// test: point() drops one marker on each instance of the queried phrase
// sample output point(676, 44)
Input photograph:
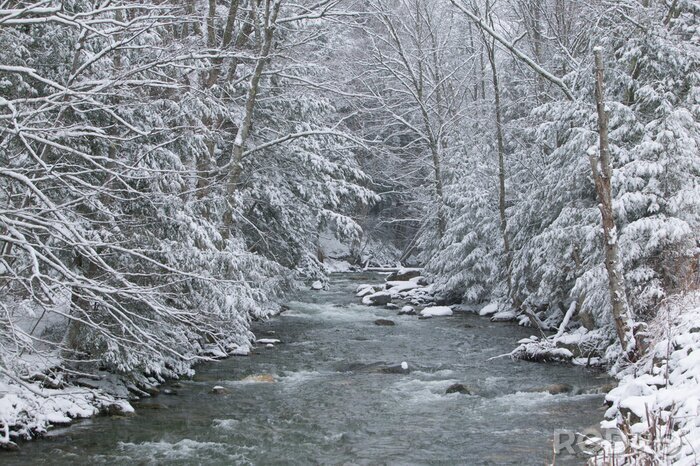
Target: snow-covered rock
point(317, 285)
point(489, 309)
point(506, 315)
point(241, 351)
point(363, 287)
point(365, 292)
point(401, 287)
point(267, 341)
point(407, 310)
point(436, 311)
point(403, 274)
point(379, 298)
point(465, 308)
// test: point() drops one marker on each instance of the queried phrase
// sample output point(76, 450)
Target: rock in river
point(384, 322)
point(435, 311)
point(377, 299)
point(403, 275)
point(317, 285)
point(458, 388)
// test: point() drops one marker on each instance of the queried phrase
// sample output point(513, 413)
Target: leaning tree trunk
point(602, 174)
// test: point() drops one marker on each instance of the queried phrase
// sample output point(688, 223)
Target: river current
point(320, 397)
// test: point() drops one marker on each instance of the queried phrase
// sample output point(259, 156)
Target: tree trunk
point(602, 175)
point(245, 124)
point(501, 161)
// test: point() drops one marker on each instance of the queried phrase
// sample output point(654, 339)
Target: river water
point(329, 405)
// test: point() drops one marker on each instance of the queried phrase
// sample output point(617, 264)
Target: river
point(329, 405)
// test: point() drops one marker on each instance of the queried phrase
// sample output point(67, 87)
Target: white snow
point(489, 309)
point(337, 266)
point(317, 285)
point(504, 315)
point(241, 351)
point(436, 311)
point(365, 290)
point(267, 341)
point(397, 288)
point(32, 410)
point(404, 365)
point(662, 389)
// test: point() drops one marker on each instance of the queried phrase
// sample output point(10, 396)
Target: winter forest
point(175, 176)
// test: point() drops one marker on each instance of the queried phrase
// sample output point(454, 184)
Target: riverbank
point(52, 396)
point(655, 409)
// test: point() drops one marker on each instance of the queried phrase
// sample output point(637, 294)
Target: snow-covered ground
point(37, 392)
point(657, 402)
point(31, 410)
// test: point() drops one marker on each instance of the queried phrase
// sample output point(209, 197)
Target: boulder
point(365, 290)
point(168, 391)
point(267, 341)
point(392, 306)
point(507, 315)
point(115, 409)
point(399, 369)
point(407, 311)
point(379, 298)
point(458, 388)
point(403, 275)
point(436, 311)
point(384, 322)
point(489, 310)
point(317, 285)
point(219, 390)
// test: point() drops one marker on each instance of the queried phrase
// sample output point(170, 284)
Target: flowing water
point(330, 405)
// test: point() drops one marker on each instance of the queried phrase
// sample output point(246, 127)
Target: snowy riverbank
point(656, 405)
point(47, 395)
